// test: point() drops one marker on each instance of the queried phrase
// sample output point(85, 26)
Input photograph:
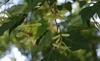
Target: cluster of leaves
point(33, 25)
point(89, 11)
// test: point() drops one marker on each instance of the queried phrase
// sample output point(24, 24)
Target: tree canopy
point(62, 32)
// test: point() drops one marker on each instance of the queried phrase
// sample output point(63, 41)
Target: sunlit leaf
point(60, 17)
point(51, 17)
point(17, 9)
point(63, 12)
point(57, 41)
point(55, 37)
point(30, 25)
point(41, 29)
point(65, 35)
point(45, 41)
point(20, 34)
point(56, 45)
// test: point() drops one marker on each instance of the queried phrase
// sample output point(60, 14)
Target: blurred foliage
point(34, 26)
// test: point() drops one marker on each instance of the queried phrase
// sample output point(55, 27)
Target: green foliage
point(41, 29)
point(19, 21)
point(82, 3)
point(76, 41)
point(96, 8)
point(42, 43)
point(53, 55)
point(7, 25)
point(32, 4)
point(88, 12)
point(34, 26)
point(17, 9)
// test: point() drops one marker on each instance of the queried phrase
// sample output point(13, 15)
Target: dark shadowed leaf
point(68, 6)
point(76, 41)
point(8, 25)
point(53, 55)
point(96, 8)
point(19, 22)
point(86, 14)
point(82, 3)
point(50, 56)
point(60, 7)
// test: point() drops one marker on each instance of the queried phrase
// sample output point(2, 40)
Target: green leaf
point(50, 56)
point(43, 43)
point(30, 25)
point(39, 39)
point(51, 17)
point(34, 49)
point(62, 12)
point(60, 7)
point(96, 8)
point(17, 9)
point(19, 22)
point(41, 29)
point(76, 41)
point(33, 3)
point(65, 35)
point(20, 34)
point(86, 14)
point(55, 37)
point(8, 25)
point(82, 3)
point(68, 6)
point(54, 55)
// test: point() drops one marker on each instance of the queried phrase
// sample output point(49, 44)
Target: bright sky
point(15, 53)
point(10, 3)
